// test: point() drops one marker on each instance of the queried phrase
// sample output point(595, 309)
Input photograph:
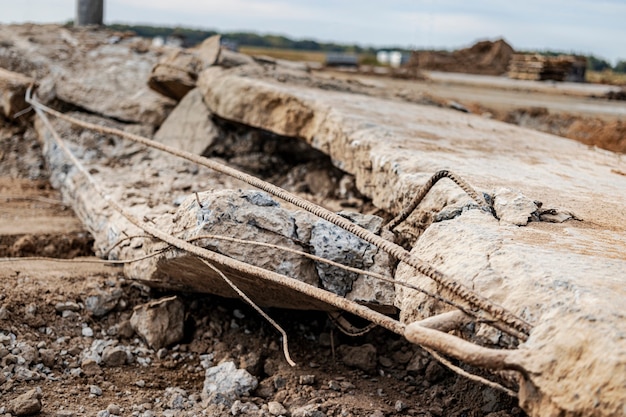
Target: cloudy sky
point(584, 26)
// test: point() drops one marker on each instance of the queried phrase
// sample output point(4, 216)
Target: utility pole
point(89, 12)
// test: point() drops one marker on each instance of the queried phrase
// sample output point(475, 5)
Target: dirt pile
point(592, 131)
point(484, 57)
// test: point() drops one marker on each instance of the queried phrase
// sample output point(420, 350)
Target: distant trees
point(195, 36)
point(597, 64)
point(620, 66)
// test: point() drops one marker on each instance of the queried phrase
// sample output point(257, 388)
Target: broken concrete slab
point(135, 179)
point(189, 127)
point(94, 70)
point(543, 272)
point(255, 216)
point(392, 147)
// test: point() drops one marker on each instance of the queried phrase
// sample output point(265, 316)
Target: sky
point(581, 26)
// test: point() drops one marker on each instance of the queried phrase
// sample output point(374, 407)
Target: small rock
point(334, 385)
point(175, 398)
point(279, 382)
point(307, 411)
point(66, 306)
point(377, 413)
point(103, 302)
point(227, 380)
point(251, 362)
point(162, 353)
point(95, 390)
point(385, 362)
point(361, 357)
point(434, 372)
point(306, 379)
point(114, 409)
point(65, 413)
point(47, 356)
point(87, 332)
point(400, 406)
point(241, 408)
point(125, 330)
point(418, 363)
point(90, 367)
point(160, 323)
point(27, 404)
point(114, 356)
point(276, 409)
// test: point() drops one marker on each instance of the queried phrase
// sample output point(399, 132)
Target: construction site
point(200, 232)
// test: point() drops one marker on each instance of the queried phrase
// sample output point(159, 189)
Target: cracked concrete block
point(254, 216)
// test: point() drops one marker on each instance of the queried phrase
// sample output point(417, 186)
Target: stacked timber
point(539, 67)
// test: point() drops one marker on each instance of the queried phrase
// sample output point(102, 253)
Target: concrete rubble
point(553, 253)
point(160, 322)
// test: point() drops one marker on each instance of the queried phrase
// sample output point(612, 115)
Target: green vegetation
point(620, 67)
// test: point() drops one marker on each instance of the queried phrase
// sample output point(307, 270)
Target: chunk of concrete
point(189, 127)
point(160, 323)
point(225, 379)
point(13, 88)
point(512, 207)
point(84, 69)
point(175, 75)
point(254, 216)
point(27, 404)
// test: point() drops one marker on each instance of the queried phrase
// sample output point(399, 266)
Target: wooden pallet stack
point(539, 67)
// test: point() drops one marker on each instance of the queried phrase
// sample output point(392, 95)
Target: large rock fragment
point(189, 127)
point(12, 91)
point(211, 218)
point(27, 404)
point(226, 380)
point(175, 75)
point(110, 80)
point(160, 323)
